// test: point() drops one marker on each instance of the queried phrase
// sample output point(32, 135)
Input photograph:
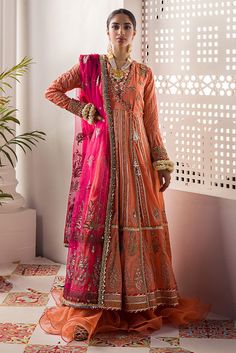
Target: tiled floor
point(22, 304)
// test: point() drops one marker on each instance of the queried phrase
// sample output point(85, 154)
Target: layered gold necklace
point(118, 73)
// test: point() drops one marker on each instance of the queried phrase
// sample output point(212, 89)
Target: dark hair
point(122, 11)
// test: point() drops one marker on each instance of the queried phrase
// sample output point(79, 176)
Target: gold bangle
point(164, 164)
point(88, 113)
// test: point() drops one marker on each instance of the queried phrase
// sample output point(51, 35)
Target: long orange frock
point(140, 290)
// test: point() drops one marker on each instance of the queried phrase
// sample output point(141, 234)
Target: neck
point(120, 54)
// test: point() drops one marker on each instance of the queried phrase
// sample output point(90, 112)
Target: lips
point(120, 39)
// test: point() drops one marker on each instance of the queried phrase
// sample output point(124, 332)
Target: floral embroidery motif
point(85, 58)
point(132, 244)
point(96, 272)
point(81, 270)
point(138, 279)
point(156, 213)
point(97, 131)
point(159, 152)
point(75, 107)
point(137, 169)
point(93, 216)
point(90, 160)
point(135, 136)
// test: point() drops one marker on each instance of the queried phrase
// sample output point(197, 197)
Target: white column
point(17, 224)
point(8, 180)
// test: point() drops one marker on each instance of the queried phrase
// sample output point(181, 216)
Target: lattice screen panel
point(191, 47)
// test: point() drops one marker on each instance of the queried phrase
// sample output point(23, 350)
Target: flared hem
point(62, 320)
point(169, 297)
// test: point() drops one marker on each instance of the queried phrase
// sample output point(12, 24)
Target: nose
point(121, 30)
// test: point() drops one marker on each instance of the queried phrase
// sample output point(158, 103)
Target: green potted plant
point(8, 138)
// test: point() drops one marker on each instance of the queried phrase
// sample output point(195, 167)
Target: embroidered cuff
point(164, 164)
point(159, 152)
point(76, 107)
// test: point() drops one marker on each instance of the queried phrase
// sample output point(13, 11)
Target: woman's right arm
point(56, 92)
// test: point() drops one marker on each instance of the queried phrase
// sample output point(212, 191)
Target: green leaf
point(11, 131)
point(8, 157)
point(12, 151)
point(3, 136)
point(18, 145)
point(5, 195)
point(22, 143)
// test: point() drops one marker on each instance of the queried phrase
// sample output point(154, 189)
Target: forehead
point(121, 19)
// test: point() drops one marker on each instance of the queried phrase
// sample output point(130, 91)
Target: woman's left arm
point(160, 159)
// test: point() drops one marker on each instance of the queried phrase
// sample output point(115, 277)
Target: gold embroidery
point(135, 136)
point(159, 152)
point(133, 229)
point(138, 279)
point(132, 245)
point(76, 107)
point(110, 201)
point(92, 220)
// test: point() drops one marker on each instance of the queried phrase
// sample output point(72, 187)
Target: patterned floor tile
point(117, 350)
point(157, 343)
point(51, 301)
point(206, 345)
point(166, 331)
point(39, 336)
point(16, 333)
point(12, 348)
point(35, 348)
point(5, 285)
point(2, 297)
point(59, 282)
point(224, 329)
point(37, 283)
point(62, 271)
point(27, 315)
point(36, 270)
point(170, 350)
point(173, 341)
point(7, 269)
point(25, 299)
point(120, 340)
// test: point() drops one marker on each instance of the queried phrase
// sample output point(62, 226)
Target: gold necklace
point(118, 73)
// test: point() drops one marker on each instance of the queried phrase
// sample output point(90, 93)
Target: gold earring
point(109, 51)
point(129, 49)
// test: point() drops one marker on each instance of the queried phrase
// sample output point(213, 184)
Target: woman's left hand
point(164, 177)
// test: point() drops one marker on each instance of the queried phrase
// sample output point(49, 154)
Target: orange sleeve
point(158, 151)
point(56, 92)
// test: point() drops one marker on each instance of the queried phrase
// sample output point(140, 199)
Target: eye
point(127, 27)
point(116, 27)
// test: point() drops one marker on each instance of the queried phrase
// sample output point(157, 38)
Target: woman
point(119, 274)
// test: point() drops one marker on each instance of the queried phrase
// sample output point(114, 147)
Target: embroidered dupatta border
point(110, 201)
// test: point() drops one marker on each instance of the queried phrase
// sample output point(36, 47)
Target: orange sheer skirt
point(62, 320)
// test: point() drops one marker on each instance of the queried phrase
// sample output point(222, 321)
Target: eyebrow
point(117, 23)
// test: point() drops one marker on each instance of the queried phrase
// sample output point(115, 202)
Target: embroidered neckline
point(119, 87)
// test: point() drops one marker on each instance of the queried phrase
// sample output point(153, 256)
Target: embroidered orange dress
point(140, 287)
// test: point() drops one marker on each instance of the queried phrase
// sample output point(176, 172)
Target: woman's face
point(121, 31)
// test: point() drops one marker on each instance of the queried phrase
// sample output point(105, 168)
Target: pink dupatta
point(90, 203)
